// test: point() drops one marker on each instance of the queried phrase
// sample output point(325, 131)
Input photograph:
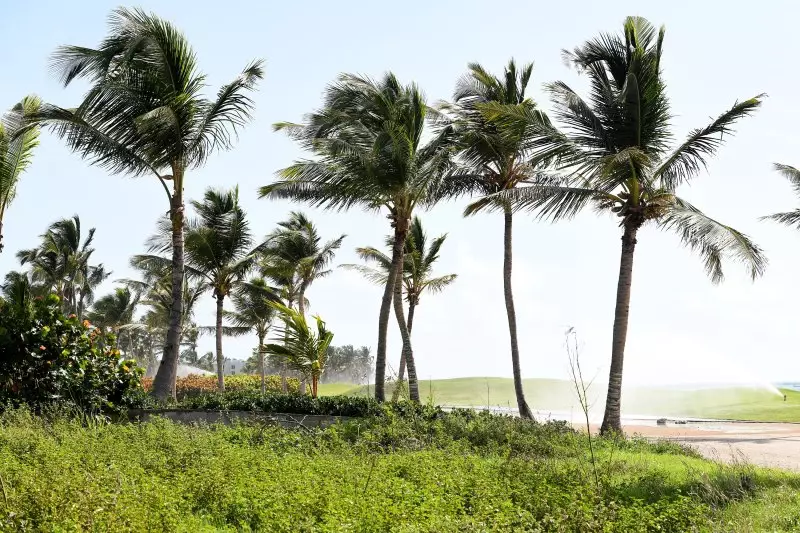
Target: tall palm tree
point(493, 160)
point(305, 349)
point(419, 259)
point(296, 249)
point(367, 140)
point(114, 310)
point(218, 251)
point(252, 310)
point(615, 154)
point(145, 115)
point(17, 143)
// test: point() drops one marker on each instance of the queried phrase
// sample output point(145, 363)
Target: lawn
point(558, 396)
point(423, 472)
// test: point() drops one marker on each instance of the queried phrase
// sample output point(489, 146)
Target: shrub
point(193, 384)
point(47, 358)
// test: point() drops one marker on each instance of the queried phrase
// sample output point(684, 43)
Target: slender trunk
point(407, 353)
point(401, 374)
point(164, 382)
point(401, 228)
point(612, 418)
point(522, 405)
point(1, 236)
point(301, 308)
point(314, 381)
point(261, 363)
point(220, 359)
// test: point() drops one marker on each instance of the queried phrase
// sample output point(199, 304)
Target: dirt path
point(765, 444)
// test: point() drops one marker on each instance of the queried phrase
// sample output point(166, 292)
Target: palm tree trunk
point(220, 359)
point(612, 422)
point(261, 363)
point(301, 308)
point(164, 382)
point(522, 405)
point(1, 235)
point(402, 372)
point(407, 353)
point(401, 228)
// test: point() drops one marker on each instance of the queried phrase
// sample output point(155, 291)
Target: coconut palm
point(305, 348)
point(145, 115)
point(419, 259)
point(367, 143)
point(252, 310)
point(19, 290)
point(295, 251)
point(614, 153)
point(493, 160)
point(114, 310)
point(17, 143)
point(218, 251)
point(61, 264)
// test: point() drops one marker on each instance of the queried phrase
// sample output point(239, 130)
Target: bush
point(193, 384)
point(48, 358)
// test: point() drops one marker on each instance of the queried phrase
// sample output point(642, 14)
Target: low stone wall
point(194, 416)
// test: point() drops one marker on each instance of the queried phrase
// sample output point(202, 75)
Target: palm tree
point(61, 264)
point(419, 259)
point(19, 290)
point(251, 301)
point(114, 310)
point(145, 115)
point(17, 143)
point(367, 140)
point(306, 350)
point(615, 154)
point(493, 160)
point(218, 251)
point(296, 250)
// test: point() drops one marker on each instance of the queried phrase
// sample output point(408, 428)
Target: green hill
point(559, 396)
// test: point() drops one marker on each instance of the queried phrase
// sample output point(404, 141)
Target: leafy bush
point(65, 475)
point(194, 384)
point(46, 358)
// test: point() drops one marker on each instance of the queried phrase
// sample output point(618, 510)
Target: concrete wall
point(193, 416)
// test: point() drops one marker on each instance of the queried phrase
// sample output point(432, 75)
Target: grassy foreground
point(422, 471)
point(558, 395)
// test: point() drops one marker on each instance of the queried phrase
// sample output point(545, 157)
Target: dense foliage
point(193, 385)
point(46, 357)
point(418, 473)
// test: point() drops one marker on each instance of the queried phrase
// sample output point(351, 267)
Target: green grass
point(558, 395)
point(423, 472)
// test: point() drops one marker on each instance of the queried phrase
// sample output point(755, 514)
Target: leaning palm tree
point(614, 154)
point(17, 142)
point(218, 251)
point(252, 310)
point(492, 160)
point(368, 149)
point(145, 115)
point(305, 349)
point(419, 259)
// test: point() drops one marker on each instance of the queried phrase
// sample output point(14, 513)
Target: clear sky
point(681, 328)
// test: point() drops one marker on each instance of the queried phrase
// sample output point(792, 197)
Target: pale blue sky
point(565, 274)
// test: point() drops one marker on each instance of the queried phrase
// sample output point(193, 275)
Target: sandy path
point(765, 444)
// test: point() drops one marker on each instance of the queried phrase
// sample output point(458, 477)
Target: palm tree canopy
point(367, 139)
point(614, 151)
point(144, 111)
point(419, 258)
point(114, 309)
point(219, 243)
point(305, 347)
point(17, 143)
point(251, 304)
